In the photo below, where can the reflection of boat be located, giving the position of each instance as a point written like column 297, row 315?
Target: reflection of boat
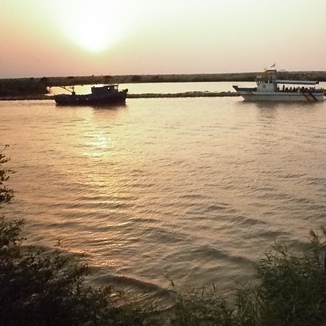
column 269, row 88
column 100, row 95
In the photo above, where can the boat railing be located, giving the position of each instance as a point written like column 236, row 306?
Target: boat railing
column 299, row 89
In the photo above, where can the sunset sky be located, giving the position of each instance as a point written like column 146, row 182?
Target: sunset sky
column 103, row 37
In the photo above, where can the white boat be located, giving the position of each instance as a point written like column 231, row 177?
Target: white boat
column 269, row 88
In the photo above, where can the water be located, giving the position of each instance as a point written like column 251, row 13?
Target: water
column 193, row 188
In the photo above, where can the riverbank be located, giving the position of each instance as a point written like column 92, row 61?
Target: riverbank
column 164, row 78
column 37, row 88
column 179, row 78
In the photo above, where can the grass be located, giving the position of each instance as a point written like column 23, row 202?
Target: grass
column 290, row 288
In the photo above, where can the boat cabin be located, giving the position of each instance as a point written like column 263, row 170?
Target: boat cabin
column 266, row 81
column 104, row 89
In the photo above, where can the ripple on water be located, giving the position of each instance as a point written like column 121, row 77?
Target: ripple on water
column 195, row 188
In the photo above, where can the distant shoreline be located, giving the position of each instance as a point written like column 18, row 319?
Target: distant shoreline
column 36, row 88
column 166, row 78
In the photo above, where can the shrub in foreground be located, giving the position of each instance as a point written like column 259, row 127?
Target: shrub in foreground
column 290, row 288
column 5, row 193
column 38, row 288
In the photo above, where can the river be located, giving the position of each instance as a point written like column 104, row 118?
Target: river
column 190, row 189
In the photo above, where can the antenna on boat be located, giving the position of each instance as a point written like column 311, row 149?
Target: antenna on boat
column 272, row 66
column 72, row 90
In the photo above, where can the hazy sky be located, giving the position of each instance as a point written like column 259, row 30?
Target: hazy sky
column 103, row 37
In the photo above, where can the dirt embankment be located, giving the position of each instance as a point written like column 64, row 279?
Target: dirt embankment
column 174, row 78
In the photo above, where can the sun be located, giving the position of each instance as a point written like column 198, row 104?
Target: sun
column 94, row 25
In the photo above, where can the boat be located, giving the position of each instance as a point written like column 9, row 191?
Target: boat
column 269, row 88
column 100, row 95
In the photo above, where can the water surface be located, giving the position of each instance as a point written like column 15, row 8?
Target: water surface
column 193, row 188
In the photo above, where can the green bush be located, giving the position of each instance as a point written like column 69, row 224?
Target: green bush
column 289, row 290
column 41, row 288
column 5, row 193
column 23, row 87
column 203, row 306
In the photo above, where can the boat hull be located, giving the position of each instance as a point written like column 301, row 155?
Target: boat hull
column 90, row 100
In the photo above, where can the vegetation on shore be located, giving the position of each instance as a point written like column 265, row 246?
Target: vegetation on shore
column 26, row 87
column 48, row 288
column 31, row 87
